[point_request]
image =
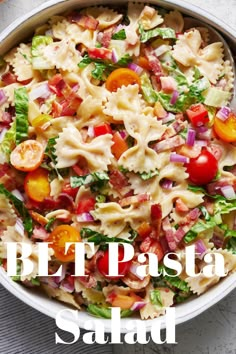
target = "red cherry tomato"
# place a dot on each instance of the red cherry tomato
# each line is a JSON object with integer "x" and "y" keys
{"x": 198, "y": 115}
{"x": 102, "y": 129}
{"x": 100, "y": 53}
{"x": 85, "y": 206}
{"x": 203, "y": 168}
{"x": 103, "y": 264}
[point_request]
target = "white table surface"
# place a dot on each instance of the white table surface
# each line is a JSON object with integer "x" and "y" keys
{"x": 25, "y": 331}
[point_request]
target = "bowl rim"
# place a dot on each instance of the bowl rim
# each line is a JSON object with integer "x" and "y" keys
{"x": 185, "y": 311}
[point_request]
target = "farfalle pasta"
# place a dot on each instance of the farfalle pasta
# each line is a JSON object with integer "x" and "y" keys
{"x": 115, "y": 127}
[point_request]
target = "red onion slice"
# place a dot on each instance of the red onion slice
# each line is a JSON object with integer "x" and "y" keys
{"x": 223, "y": 113}
{"x": 19, "y": 227}
{"x": 169, "y": 118}
{"x": 228, "y": 192}
{"x": 200, "y": 248}
{"x": 41, "y": 91}
{"x": 167, "y": 184}
{"x": 85, "y": 217}
{"x": 191, "y": 137}
{"x": 3, "y": 97}
{"x": 178, "y": 158}
{"x": 133, "y": 270}
{"x": 138, "y": 305}
{"x": 174, "y": 97}
{"x": 114, "y": 56}
{"x": 136, "y": 68}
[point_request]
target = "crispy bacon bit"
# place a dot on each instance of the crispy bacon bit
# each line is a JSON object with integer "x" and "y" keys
{"x": 169, "y": 234}
{"x": 135, "y": 199}
{"x": 216, "y": 150}
{"x": 118, "y": 180}
{"x": 87, "y": 22}
{"x": 91, "y": 264}
{"x": 154, "y": 63}
{"x": 152, "y": 246}
{"x": 189, "y": 151}
{"x": 8, "y": 78}
{"x": 168, "y": 144}
{"x": 217, "y": 240}
{"x": 168, "y": 84}
{"x": 40, "y": 233}
{"x": 89, "y": 281}
{"x": 106, "y": 37}
{"x": 215, "y": 187}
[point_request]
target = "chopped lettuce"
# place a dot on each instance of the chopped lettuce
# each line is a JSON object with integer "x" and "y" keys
{"x": 105, "y": 312}
{"x": 149, "y": 94}
{"x": 165, "y": 33}
{"x": 38, "y": 61}
{"x": 199, "y": 227}
{"x": 20, "y": 207}
{"x": 119, "y": 35}
{"x": 98, "y": 238}
{"x": 147, "y": 175}
{"x": 21, "y": 106}
{"x": 96, "y": 180}
{"x": 9, "y": 139}
{"x": 155, "y": 297}
{"x": 216, "y": 98}
{"x": 103, "y": 68}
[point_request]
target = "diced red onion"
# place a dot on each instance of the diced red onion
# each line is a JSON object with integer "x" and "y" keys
{"x": 85, "y": 217}
{"x": 191, "y": 137}
{"x": 174, "y": 97}
{"x": 41, "y": 91}
{"x": 67, "y": 286}
{"x": 19, "y": 227}
{"x": 90, "y": 132}
{"x": 169, "y": 118}
{"x": 201, "y": 142}
{"x": 136, "y": 68}
{"x": 3, "y": 97}
{"x": 50, "y": 281}
{"x": 228, "y": 192}
{"x": 99, "y": 37}
{"x": 114, "y": 56}
{"x": 138, "y": 305}
{"x": 123, "y": 134}
{"x": 17, "y": 194}
{"x": 223, "y": 113}
{"x": 202, "y": 129}
{"x": 167, "y": 183}
{"x": 178, "y": 158}
{"x": 205, "y": 136}
{"x": 2, "y": 134}
{"x": 133, "y": 270}
{"x": 59, "y": 279}
{"x": 200, "y": 247}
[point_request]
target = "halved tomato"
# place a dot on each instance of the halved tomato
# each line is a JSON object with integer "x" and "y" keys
{"x": 226, "y": 130}
{"x": 37, "y": 185}
{"x": 121, "y": 77}
{"x": 27, "y": 156}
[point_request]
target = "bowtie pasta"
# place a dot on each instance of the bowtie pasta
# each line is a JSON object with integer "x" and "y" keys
{"x": 115, "y": 127}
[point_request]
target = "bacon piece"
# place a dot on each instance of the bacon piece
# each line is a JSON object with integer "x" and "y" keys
{"x": 118, "y": 180}
{"x": 86, "y": 22}
{"x": 215, "y": 187}
{"x": 216, "y": 150}
{"x": 169, "y": 143}
{"x": 135, "y": 199}
{"x": 106, "y": 38}
{"x": 180, "y": 206}
{"x": 169, "y": 234}
{"x": 9, "y": 78}
{"x": 154, "y": 63}
{"x": 91, "y": 264}
{"x": 40, "y": 233}
{"x": 89, "y": 281}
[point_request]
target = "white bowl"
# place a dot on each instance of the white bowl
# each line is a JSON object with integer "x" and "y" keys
{"x": 13, "y": 35}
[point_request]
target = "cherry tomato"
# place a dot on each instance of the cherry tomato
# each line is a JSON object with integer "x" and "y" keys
{"x": 198, "y": 115}
{"x": 120, "y": 77}
{"x": 85, "y": 206}
{"x": 37, "y": 185}
{"x": 102, "y": 129}
{"x": 60, "y": 235}
{"x": 203, "y": 168}
{"x": 69, "y": 190}
{"x": 103, "y": 264}
{"x": 119, "y": 146}
{"x": 27, "y": 156}
{"x": 125, "y": 302}
{"x": 226, "y": 130}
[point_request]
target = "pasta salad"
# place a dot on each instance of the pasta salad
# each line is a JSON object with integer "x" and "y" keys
{"x": 115, "y": 127}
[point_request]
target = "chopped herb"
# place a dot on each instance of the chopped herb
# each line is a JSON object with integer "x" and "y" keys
{"x": 49, "y": 224}
{"x": 123, "y": 169}
{"x": 105, "y": 312}
{"x": 165, "y": 33}
{"x": 20, "y": 207}
{"x": 98, "y": 238}
{"x": 183, "y": 133}
{"x": 147, "y": 175}
{"x": 96, "y": 180}
{"x": 100, "y": 198}
{"x": 205, "y": 212}
{"x": 35, "y": 281}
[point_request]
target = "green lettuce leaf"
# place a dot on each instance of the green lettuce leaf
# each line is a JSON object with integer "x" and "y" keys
{"x": 216, "y": 98}
{"x": 98, "y": 238}
{"x": 155, "y": 297}
{"x": 38, "y": 61}
{"x": 20, "y": 207}
{"x": 199, "y": 227}
{"x": 96, "y": 180}
{"x": 21, "y": 106}
{"x": 165, "y": 33}
{"x": 105, "y": 312}
{"x": 9, "y": 139}
{"x": 119, "y": 35}
{"x": 147, "y": 175}
{"x": 149, "y": 94}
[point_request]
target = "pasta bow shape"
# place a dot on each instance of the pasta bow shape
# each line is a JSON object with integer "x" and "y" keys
{"x": 70, "y": 146}
{"x": 209, "y": 60}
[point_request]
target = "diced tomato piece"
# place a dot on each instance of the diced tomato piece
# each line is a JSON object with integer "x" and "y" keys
{"x": 100, "y": 53}
{"x": 69, "y": 190}
{"x": 9, "y": 78}
{"x": 85, "y": 206}
{"x": 56, "y": 84}
{"x": 102, "y": 129}
{"x": 119, "y": 146}
{"x": 78, "y": 170}
{"x": 180, "y": 206}
{"x": 198, "y": 115}
{"x": 152, "y": 246}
